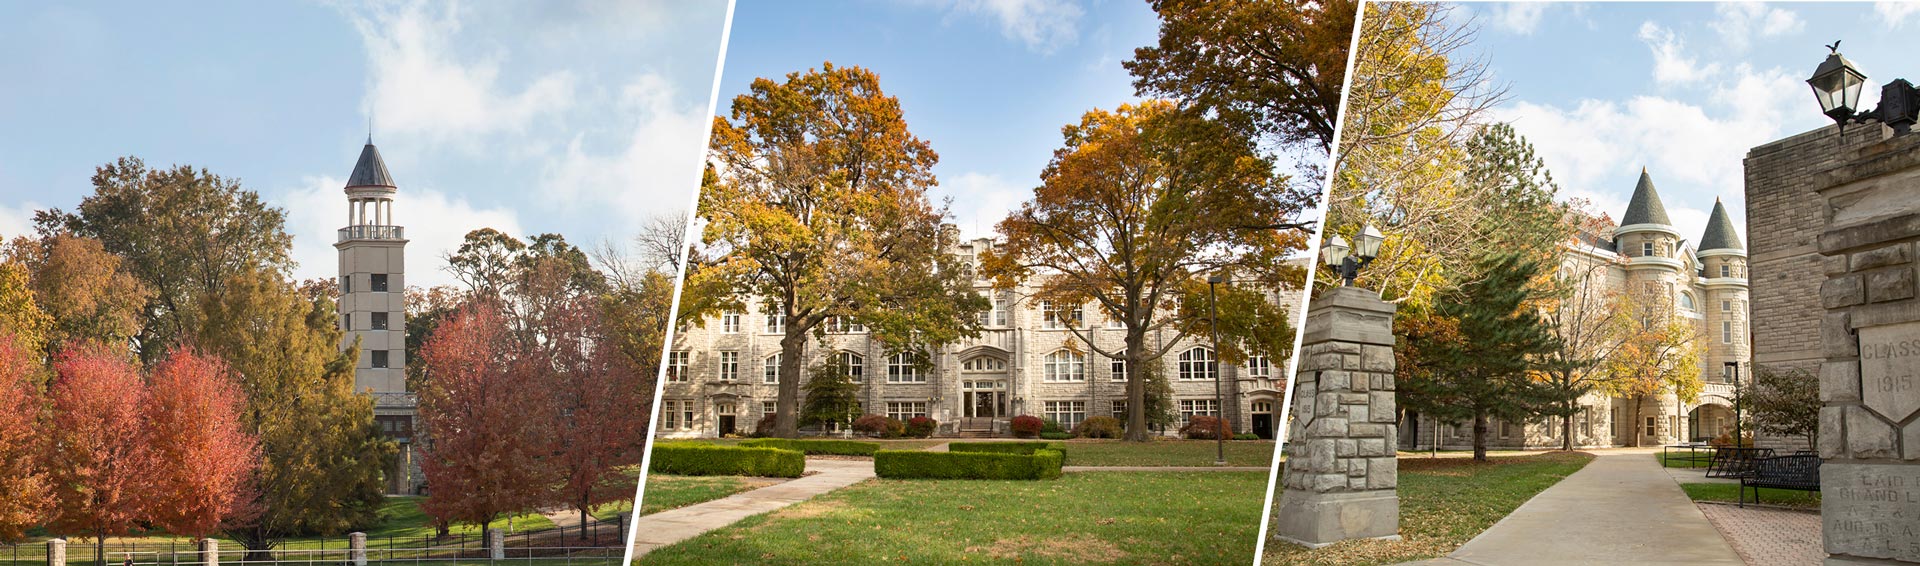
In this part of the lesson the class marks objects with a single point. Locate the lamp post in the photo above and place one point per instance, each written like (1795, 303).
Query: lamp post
(1219, 387)
(1837, 83)
(1347, 261)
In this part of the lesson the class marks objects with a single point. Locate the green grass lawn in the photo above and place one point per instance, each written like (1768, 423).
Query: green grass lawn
(885, 444)
(672, 492)
(1680, 460)
(1730, 493)
(1082, 518)
(1444, 502)
(1166, 453)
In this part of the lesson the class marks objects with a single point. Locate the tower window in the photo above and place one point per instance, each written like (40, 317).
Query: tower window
(379, 282)
(346, 284)
(1725, 270)
(379, 321)
(1646, 248)
(379, 358)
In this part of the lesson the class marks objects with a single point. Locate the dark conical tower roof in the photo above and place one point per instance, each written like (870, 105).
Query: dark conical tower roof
(370, 171)
(1645, 207)
(1720, 234)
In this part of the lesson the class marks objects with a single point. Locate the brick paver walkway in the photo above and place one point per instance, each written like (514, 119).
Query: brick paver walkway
(1767, 536)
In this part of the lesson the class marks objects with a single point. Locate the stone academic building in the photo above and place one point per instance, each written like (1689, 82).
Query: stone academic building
(1705, 283)
(722, 376)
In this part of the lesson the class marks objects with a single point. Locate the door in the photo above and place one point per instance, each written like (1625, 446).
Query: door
(1263, 425)
(985, 405)
(726, 425)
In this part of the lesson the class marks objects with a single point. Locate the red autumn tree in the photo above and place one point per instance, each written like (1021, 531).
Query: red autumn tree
(481, 406)
(200, 455)
(95, 452)
(23, 478)
(596, 392)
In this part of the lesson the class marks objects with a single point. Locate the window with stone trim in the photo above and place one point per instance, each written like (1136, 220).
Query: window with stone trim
(906, 410)
(670, 414)
(1117, 369)
(677, 366)
(1118, 408)
(1726, 270)
(377, 282)
(1065, 365)
(1190, 408)
(1067, 413)
(1259, 367)
(729, 366)
(1646, 249)
(769, 408)
(730, 322)
(770, 369)
(844, 325)
(378, 358)
(1054, 316)
(379, 321)
(903, 368)
(1726, 332)
(776, 323)
(1196, 364)
(856, 365)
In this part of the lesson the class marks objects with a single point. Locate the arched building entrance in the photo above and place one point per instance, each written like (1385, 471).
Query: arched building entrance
(1710, 420)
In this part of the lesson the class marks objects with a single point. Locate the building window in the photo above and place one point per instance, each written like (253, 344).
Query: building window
(1197, 364)
(346, 284)
(1114, 322)
(729, 366)
(346, 322)
(379, 358)
(1262, 406)
(1686, 300)
(844, 325)
(768, 408)
(776, 323)
(1653, 425)
(670, 415)
(1726, 270)
(1726, 371)
(1726, 332)
(1118, 370)
(677, 366)
(902, 368)
(1119, 410)
(856, 365)
(1067, 413)
(906, 410)
(771, 369)
(1190, 408)
(1054, 316)
(378, 282)
(1726, 306)
(1066, 365)
(983, 363)
(1003, 309)
(379, 321)
(1646, 248)
(395, 426)
(729, 323)
(1259, 367)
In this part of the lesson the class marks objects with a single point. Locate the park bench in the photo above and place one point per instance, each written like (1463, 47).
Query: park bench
(1735, 462)
(1799, 471)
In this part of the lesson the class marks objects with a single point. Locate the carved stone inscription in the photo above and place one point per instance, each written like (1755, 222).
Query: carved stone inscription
(1890, 369)
(1871, 510)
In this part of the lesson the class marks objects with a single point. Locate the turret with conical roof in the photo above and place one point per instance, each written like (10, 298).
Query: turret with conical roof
(370, 170)
(1720, 234)
(1645, 208)
(373, 306)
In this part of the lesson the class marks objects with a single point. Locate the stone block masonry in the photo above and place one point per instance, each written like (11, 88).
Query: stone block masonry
(1341, 479)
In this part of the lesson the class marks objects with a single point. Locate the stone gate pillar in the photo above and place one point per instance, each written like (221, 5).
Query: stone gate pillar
(57, 552)
(209, 552)
(1341, 477)
(1870, 338)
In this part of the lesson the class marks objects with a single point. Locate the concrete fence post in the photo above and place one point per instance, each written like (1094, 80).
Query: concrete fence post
(57, 552)
(497, 544)
(357, 548)
(210, 552)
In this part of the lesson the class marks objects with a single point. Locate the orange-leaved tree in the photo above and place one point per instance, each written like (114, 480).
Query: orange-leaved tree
(23, 474)
(200, 454)
(816, 202)
(95, 448)
(481, 408)
(598, 400)
(1135, 212)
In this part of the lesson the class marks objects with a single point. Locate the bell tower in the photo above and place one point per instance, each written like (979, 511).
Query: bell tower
(373, 306)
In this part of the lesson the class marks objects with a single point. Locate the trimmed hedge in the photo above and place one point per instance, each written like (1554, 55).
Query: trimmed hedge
(1043, 464)
(816, 445)
(1022, 448)
(703, 459)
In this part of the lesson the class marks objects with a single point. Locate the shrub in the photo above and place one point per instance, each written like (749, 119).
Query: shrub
(1246, 436)
(816, 446)
(1098, 427)
(1055, 435)
(1022, 448)
(765, 427)
(1050, 425)
(871, 424)
(1025, 426)
(921, 427)
(703, 459)
(1202, 427)
(895, 428)
(904, 464)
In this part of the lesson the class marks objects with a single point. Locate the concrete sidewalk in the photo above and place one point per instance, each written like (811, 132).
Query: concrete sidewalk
(668, 527)
(1620, 509)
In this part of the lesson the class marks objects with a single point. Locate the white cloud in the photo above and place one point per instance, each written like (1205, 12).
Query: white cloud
(1043, 25)
(1671, 65)
(17, 220)
(1739, 22)
(1519, 17)
(981, 201)
(1895, 14)
(435, 223)
(422, 84)
(659, 162)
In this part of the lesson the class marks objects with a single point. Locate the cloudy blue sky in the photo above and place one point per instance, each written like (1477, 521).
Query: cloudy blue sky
(987, 83)
(575, 117)
(1682, 89)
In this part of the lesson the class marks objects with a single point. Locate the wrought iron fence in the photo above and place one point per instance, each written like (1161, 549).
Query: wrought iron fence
(595, 542)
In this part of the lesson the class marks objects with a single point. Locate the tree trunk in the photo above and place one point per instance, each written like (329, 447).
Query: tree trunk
(100, 547)
(1136, 387)
(793, 347)
(1479, 437)
(1566, 427)
(583, 522)
(1638, 429)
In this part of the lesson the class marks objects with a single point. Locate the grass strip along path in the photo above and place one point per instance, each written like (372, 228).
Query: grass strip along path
(1444, 502)
(1081, 518)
